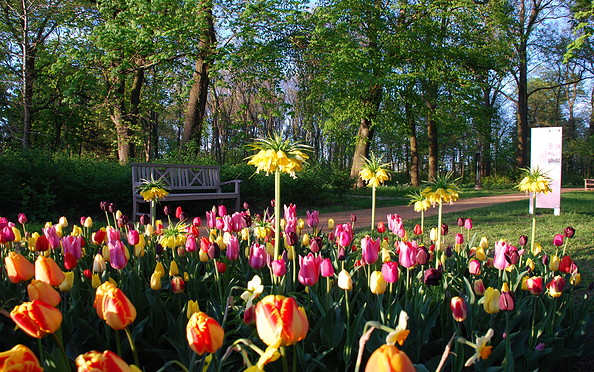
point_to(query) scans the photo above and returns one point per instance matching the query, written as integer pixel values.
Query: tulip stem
(164, 368)
(132, 346)
(58, 338)
(284, 356)
(438, 246)
(533, 222)
(41, 353)
(118, 344)
(277, 208)
(372, 207)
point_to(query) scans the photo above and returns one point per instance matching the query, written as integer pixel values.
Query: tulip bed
(210, 294)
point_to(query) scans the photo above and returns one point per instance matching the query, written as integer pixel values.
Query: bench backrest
(178, 176)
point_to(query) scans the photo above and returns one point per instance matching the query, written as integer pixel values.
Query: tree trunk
(133, 115)
(362, 144)
(118, 115)
(28, 76)
(522, 106)
(415, 178)
(433, 145)
(195, 111)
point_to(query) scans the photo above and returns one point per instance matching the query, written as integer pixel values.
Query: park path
(407, 212)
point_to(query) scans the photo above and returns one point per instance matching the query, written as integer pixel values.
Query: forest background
(431, 86)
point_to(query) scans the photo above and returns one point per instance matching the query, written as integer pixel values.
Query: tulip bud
(344, 280)
(156, 281)
(554, 263)
(177, 284)
(433, 234)
(173, 269)
(326, 268)
(390, 271)
(459, 308)
(381, 227)
(377, 283)
(506, 299)
(95, 281)
(558, 240)
(523, 240)
(444, 229)
(474, 267)
(569, 232)
(22, 218)
(68, 282)
(460, 221)
(279, 267)
(468, 224)
(459, 239)
(330, 224)
(491, 300)
(423, 255)
(191, 308)
(478, 287)
(484, 243)
(204, 334)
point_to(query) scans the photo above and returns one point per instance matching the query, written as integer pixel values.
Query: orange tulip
(42, 291)
(36, 318)
(18, 268)
(107, 361)
(279, 321)
(390, 359)
(204, 334)
(113, 306)
(48, 271)
(19, 358)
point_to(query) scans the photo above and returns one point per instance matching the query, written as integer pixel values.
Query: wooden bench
(184, 182)
(589, 184)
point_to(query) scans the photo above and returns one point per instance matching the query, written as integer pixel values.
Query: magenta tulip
(326, 268)
(370, 249)
(408, 254)
(309, 269)
(390, 271)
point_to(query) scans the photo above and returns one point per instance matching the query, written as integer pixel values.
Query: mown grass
(391, 196)
(510, 220)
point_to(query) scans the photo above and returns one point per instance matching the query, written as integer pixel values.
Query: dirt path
(407, 212)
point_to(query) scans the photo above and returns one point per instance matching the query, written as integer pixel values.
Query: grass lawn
(390, 196)
(510, 220)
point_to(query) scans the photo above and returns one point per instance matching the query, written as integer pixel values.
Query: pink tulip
(535, 285)
(22, 218)
(390, 271)
(257, 256)
(394, 223)
(459, 239)
(238, 221)
(291, 225)
(133, 237)
(558, 240)
(408, 254)
(117, 255)
(73, 245)
(279, 267)
(290, 211)
(191, 245)
(210, 219)
(501, 247)
(474, 267)
(227, 223)
(232, 248)
(468, 224)
(313, 218)
(52, 236)
(197, 222)
(370, 249)
(309, 269)
(326, 268)
(344, 234)
(222, 210)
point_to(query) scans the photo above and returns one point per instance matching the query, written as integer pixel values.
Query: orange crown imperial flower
(280, 321)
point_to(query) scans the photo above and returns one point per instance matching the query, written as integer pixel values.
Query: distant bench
(589, 184)
(184, 182)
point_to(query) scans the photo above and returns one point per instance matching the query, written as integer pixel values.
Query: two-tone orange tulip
(19, 358)
(204, 334)
(38, 290)
(113, 306)
(48, 271)
(36, 318)
(390, 359)
(18, 268)
(107, 361)
(280, 321)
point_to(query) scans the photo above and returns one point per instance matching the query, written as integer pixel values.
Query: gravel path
(407, 212)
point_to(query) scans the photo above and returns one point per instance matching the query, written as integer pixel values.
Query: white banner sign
(546, 151)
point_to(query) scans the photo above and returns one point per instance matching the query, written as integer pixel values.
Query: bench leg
(237, 208)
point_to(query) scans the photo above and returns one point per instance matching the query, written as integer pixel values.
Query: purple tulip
(117, 255)
(422, 255)
(73, 245)
(431, 277)
(313, 218)
(499, 261)
(51, 235)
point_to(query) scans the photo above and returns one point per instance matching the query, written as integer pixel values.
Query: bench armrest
(236, 182)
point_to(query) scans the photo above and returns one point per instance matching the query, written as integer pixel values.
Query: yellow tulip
(491, 298)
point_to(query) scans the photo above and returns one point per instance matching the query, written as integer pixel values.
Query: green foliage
(46, 186)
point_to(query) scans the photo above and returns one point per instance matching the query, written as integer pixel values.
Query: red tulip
(94, 361)
(19, 358)
(36, 318)
(204, 333)
(459, 308)
(280, 321)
